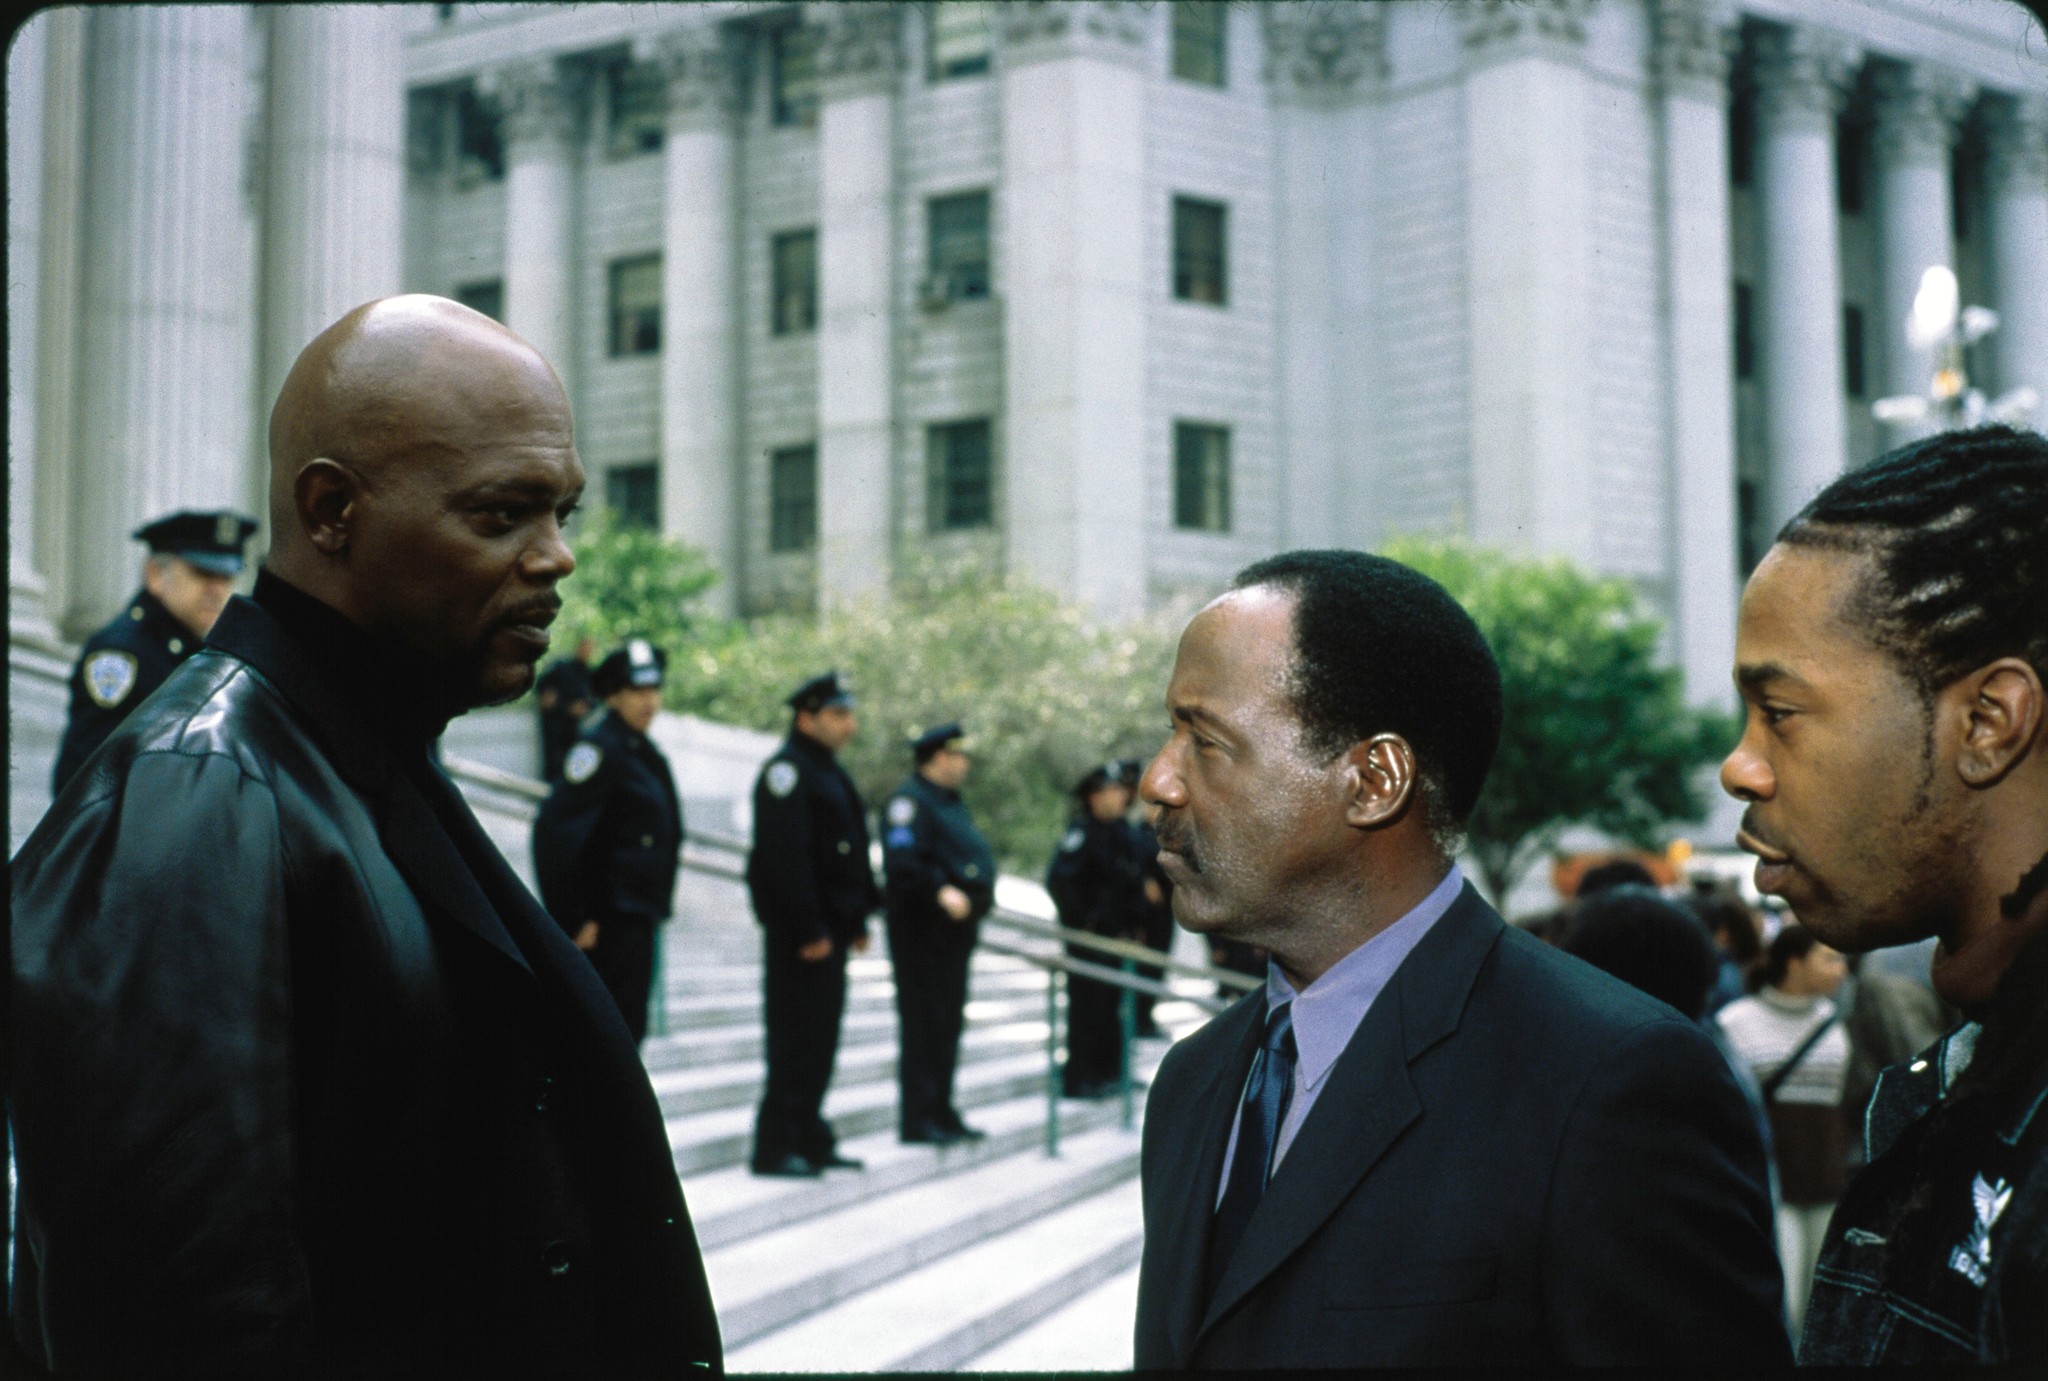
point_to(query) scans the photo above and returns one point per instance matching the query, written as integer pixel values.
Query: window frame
(623, 140)
(958, 274)
(492, 288)
(778, 288)
(944, 484)
(973, 65)
(1183, 282)
(782, 504)
(1201, 502)
(1191, 63)
(792, 101)
(618, 343)
(628, 480)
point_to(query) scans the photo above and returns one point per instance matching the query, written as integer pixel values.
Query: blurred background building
(1119, 296)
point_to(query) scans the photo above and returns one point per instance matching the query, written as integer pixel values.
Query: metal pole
(1052, 1061)
(1127, 1024)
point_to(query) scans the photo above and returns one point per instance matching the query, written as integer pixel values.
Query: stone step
(867, 1244)
(936, 1317)
(1093, 1333)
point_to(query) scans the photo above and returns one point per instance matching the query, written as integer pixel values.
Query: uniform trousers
(624, 958)
(1094, 1028)
(802, 1001)
(931, 1000)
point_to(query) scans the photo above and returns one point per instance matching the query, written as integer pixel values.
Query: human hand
(954, 902)
(586, 938)
(860, 946)
(816, 950)
(1152, 892)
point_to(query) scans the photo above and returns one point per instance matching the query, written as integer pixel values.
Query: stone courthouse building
(1116, 295)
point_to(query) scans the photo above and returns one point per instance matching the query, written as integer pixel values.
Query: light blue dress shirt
(1327, 1012)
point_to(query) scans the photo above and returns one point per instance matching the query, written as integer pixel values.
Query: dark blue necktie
(1266, 1095)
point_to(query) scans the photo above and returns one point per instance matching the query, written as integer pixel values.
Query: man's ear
(1380, 773)
(324, 494)
(2002, 707)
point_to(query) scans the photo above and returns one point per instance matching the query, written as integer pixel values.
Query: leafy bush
(634, 582)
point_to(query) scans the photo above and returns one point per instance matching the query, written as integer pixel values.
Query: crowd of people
(303, 1081)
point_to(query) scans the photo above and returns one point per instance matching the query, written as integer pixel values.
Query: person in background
(1738, 939)
(564, 696)
(1097, 879)
(1789, 1033)
(609, 837)
(939, 881)
(1616, 872)
(186, 581)
(1155, 907)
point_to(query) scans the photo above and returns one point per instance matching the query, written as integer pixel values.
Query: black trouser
(624, 958)
(1094, 1027)
(931, 966)
(802, 1001)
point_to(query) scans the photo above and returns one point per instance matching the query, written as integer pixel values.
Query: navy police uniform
(930, 841)
(809, 879)
(136, 652)
(565, 695)
(1097, 881)
(608, 839)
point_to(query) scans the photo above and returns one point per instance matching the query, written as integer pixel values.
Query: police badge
(109, 676)
(902, 811)
(1973, 1258)
(1072, 840)
(781, 778)
(581, 763)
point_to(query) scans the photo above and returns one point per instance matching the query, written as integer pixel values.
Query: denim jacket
(1938, 1252)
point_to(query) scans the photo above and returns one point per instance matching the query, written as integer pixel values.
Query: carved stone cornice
(1802, 78)
(1494, 29)
(860, 48)
(1321, 52)
(1693, 44)
(701, 69)
(1919, 110)
(2016, 142)
(1038, 30)
(535, 99)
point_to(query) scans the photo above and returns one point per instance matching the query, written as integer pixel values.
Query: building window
(793, 75)
(637, 103)
(957, 38)
(633, 494)
(1748, 513)
(636, 305)
(1199, 268)
(1201, 477)
(1852, 350)
(479, 155)
(1962, 190)
(1745, 331)
(1198, 28)
(793, 498)
(486, 296)
(959, 245)
(962, 492)
(794, 288)
(1852, 160)
(1741, 139)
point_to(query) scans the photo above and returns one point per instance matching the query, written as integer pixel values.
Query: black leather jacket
(304, 1082)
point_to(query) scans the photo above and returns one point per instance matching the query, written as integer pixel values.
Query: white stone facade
(1483, 265)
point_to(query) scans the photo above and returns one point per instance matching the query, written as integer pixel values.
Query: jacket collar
(1369, 1101)
(160, 623)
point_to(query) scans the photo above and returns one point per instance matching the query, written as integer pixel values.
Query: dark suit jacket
(1517, 1160)
(304, 1082)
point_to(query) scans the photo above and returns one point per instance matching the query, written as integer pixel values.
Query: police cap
(937, 737)
(639, 663)
(819, 692)
(211, 541)
(1115, 772)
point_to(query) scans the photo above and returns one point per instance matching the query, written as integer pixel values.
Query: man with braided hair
(1892, 651)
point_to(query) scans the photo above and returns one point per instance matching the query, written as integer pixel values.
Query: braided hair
(1957, 525)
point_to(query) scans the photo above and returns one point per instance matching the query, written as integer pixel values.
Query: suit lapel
(421, 848)
(1368, 1101)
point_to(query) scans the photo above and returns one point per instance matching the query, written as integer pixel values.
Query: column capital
(535, 100)
(701, 69)
(860, 48)
(1919, 108)
(1693, 43)
(2016, 139)
(1513, 28)
(1037, 30)
(1802, 77)
(1324, 51)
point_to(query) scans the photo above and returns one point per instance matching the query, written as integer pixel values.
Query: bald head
(421, 462)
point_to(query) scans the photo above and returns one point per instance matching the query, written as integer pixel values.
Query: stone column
(27, 66)
(1918, 107)
(700, 326)
(858, 60)
(1528, 187)
(2018, 187)
(334, 178)
(162, 424)
(1323, 59)
(59, 264)
(1694, 41)
(540, 118)
(1801, 77)
(1073, 276)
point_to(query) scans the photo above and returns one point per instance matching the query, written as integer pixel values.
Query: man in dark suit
(1430, 1139)
(304, 1081)
(813, 890)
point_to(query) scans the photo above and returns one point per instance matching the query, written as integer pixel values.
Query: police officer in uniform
(186, 580)
(1155, 910)
(565, 697)
(940, 882)
(813, 890)
(1097, 880)
(609, 836)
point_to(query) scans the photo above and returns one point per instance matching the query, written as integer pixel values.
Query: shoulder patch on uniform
(781, 778)
(581, 763)
(109, 676)
(1072, 841)
(902, 811)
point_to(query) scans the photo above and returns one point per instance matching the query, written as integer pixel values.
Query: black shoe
(930, 1135)
(965, 1132)
(834, 1161)
(791, 1167)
